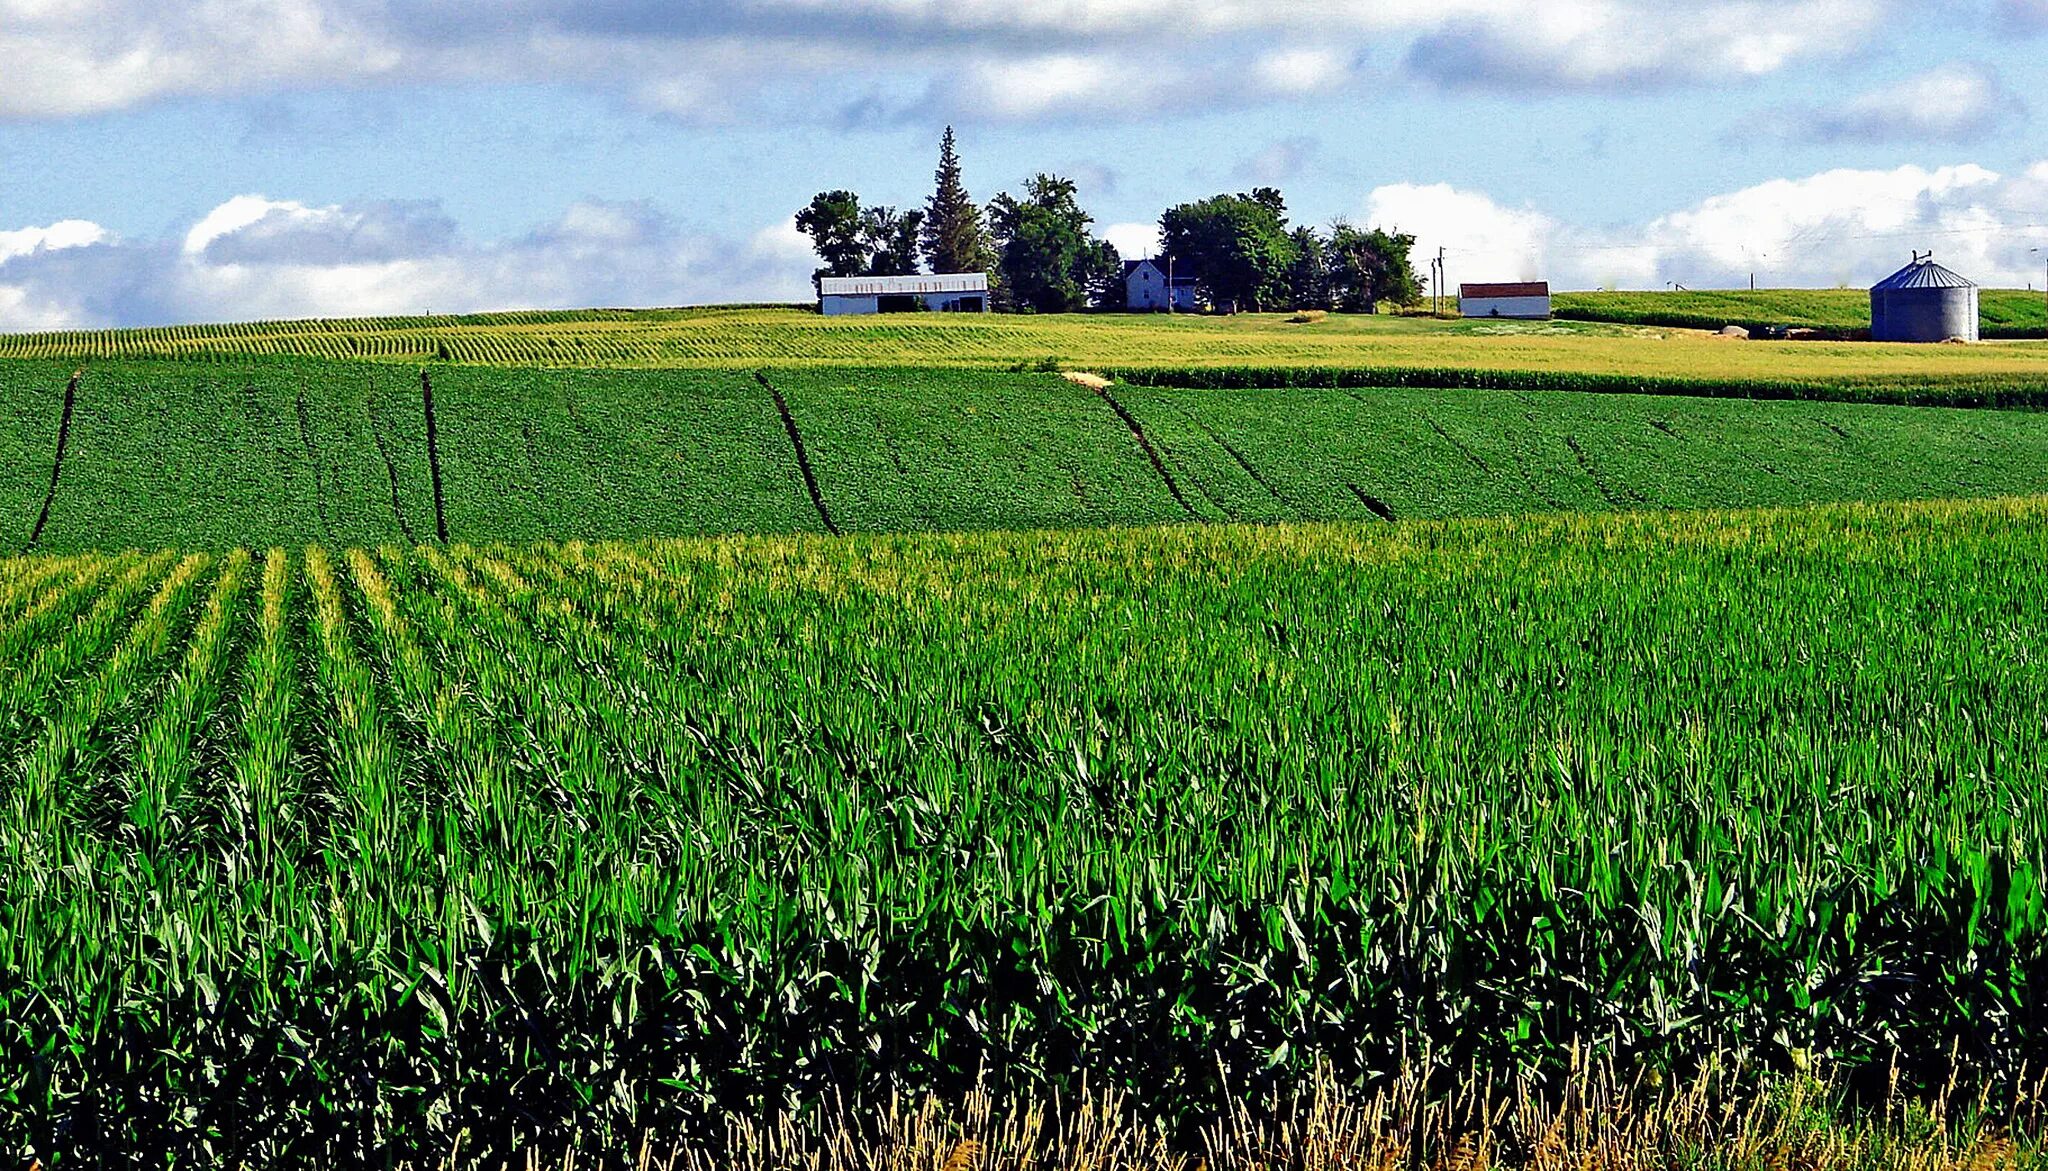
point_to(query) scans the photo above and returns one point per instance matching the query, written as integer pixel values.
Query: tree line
(1042, 255)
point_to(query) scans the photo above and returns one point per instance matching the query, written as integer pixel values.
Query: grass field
(742, 339)
(2006, 313)
(266, 453)
(327, 856)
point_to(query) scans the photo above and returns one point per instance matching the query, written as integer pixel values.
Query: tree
(1369, 267)
(953, 235)
(891, 240)
(1047, 259)
(834, 223)
(857, 241)
(1308, 278)
(1237, 245)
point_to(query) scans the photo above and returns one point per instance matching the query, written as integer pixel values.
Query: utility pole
(1169, 284)
(1442, 290)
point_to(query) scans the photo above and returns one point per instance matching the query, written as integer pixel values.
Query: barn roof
(1515, 289)
(886, 286)
(1923, 274)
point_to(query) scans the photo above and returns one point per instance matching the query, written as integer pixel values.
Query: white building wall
(1518, 308)
(1145, 290)
(836, 306)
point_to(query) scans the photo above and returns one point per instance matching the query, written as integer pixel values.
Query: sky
(219, 160)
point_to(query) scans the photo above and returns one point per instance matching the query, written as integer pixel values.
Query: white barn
(950, 292)
(1145, 287)
(1520, 301)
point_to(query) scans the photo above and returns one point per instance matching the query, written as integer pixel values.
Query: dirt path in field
(1100, 386)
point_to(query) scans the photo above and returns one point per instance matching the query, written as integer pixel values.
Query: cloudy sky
(201, 160)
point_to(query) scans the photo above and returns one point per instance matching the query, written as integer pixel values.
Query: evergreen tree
(954, 237)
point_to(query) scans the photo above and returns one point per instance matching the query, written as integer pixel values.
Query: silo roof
(1924, 274)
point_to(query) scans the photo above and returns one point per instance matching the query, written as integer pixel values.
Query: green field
(324, 858)
(2004, 313)
(1363, 695)
(262, 452)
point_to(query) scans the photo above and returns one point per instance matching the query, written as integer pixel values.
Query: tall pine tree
(955, 239)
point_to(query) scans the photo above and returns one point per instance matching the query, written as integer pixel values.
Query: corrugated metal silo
(1923, 302)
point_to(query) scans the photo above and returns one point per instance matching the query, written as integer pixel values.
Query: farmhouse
(954, 292)
(1145, 287)
(1523, 301)
(1923, 302)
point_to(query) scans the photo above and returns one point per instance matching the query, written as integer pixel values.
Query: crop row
(787, 338)
(296, 452)
(331, 856)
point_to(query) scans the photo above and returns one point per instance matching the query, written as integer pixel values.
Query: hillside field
(753, 338)
(256, 453)
(2004, 313)
(346, 858)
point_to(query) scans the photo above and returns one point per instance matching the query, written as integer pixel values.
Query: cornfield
(419, 855)
(783, 338)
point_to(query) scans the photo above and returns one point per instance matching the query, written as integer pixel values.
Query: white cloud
(1552, 45)
(1841, 227)
(827, 60)
(1951, 103)
(1492, 243)
(1133, 241)
(1301, 71)
(63, 234)
(253, 258)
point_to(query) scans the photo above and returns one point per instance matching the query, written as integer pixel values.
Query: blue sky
(227, 159)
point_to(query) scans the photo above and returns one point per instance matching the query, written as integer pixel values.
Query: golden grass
(1597, 1122)
(749, 338)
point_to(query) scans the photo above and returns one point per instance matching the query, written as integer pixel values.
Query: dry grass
(1597, 1123)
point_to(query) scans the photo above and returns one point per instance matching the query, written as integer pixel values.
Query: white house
(1145, 284)
(1522, 301)
(950, 292)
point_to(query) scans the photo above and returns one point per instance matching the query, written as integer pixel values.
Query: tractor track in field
(1101, 387)
(1618, 499)
(390, 473)
(1257, 476)
(312, 450)
(803, 453)
(1463, 448)
(35, 536)
(1373, 504)
(434, 454)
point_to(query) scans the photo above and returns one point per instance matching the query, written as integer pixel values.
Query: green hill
(260, 453)
(2005, 313)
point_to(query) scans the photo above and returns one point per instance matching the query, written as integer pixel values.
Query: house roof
(1923, 274)
(1182, 277)
(890, 286)
(1515, 289)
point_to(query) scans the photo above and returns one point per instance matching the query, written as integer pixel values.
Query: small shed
(1519, 301)
(1146, 283)
(952, 292)
(1923, 302)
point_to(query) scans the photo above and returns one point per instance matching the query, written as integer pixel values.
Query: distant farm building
(1923, 302)
(957, 292)
(1521, 301)
(1146, 283)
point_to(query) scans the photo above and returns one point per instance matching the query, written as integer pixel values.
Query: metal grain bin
(1923, 302)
